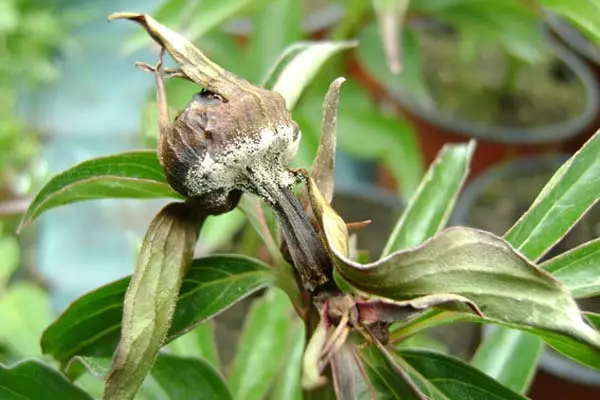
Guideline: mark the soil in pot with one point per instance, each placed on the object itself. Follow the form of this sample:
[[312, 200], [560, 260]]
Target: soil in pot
[[494, 89]]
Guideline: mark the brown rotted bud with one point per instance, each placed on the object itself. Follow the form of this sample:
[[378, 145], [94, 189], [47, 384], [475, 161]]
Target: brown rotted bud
[[231, 138], [218, 148]]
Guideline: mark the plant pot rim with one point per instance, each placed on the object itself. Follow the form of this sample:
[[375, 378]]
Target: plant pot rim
[[311, 23], [572, 37], [547, 133], [550, 361]]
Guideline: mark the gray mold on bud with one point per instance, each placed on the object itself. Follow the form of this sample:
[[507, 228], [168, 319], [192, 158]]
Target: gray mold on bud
[[217, 147]]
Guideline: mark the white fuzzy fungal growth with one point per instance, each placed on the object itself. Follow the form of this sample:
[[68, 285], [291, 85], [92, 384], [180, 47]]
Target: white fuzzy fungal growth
[[252, 163]]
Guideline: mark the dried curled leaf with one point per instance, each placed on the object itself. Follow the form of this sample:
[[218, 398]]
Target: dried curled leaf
[[323, 169]]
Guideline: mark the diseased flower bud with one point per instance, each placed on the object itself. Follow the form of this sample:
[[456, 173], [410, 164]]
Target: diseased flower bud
[[231, 138], [217, 148]]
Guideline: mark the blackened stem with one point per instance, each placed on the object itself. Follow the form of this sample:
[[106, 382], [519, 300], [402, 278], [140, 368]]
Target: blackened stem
[[306, 249]]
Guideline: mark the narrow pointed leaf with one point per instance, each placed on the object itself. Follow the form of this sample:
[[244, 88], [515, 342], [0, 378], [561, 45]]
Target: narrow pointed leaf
[[562, 202], [449, 378], [261, 347], [323, 169], [578, 269], [467, 262], [33, 380], [301, 70], [431, 206], [90, 326], [135, 175], [506, 355], [151, 296], [183, 378]]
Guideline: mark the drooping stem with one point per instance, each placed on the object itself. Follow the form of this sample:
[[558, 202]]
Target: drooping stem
[[306, 249]]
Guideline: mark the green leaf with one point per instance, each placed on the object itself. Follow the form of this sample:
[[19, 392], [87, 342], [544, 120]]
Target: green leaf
[[25, 311], [301, 70], [568, 195], [281, 16], [260, 351], [585, 14], [449, 378], [387, 379], [136, 174], [90, 326], [466, 262], [199, 342], [33, 380], [506, 355], [287, 384], [578, 269], [431, 206], [186, 378], [565, 198], [151, 296]]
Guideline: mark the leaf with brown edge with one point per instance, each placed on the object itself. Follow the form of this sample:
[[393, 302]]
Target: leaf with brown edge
[[381, 310], [467, 262], [323, 169], [150, 299]]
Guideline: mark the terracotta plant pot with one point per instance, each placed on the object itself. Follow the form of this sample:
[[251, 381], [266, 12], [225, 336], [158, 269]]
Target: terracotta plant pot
[[494, 201], [496, 143], [587, 50]]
